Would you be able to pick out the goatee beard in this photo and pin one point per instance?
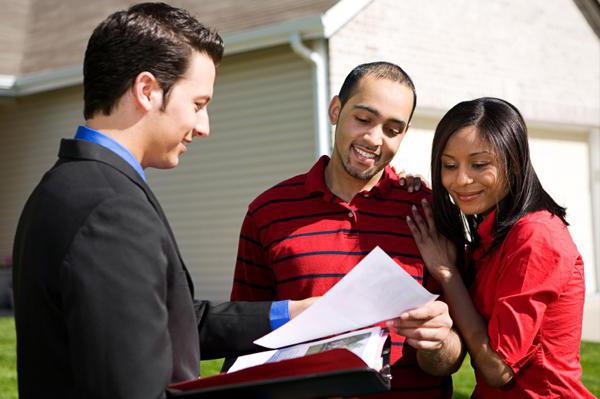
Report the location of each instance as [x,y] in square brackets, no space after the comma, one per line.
[366,175]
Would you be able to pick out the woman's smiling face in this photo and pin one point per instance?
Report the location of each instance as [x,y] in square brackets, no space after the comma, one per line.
[472,173]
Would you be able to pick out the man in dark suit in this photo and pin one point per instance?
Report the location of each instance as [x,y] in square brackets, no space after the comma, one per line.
[103,301]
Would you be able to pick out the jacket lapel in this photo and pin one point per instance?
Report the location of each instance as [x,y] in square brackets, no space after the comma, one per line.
[79,150]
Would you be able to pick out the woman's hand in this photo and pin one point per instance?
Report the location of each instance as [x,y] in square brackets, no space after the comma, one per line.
[438,253]
[411,182]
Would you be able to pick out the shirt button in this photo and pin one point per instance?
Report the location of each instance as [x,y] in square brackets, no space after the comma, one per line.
[366,195]
[350,214]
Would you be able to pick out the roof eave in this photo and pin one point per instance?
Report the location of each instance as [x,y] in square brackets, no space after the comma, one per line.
[311,27]
[42,81]
[273,35]
[7,83]
[591,11]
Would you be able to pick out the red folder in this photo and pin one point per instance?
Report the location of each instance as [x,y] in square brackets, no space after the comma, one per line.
[337,372]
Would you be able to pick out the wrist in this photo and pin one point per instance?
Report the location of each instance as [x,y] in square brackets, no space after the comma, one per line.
[433,352]
[444,360]
[299,306]
[293,308]
[446,274]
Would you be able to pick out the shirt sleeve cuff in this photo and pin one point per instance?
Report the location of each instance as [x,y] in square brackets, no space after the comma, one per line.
[516,364]
[279,314]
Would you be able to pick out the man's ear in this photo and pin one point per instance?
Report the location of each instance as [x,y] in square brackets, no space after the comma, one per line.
[146,92]
[335,107]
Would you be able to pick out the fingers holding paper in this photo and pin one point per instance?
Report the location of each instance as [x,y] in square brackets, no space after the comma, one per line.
[426,327]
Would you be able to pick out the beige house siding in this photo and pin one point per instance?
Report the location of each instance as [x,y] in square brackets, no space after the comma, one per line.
[31,130]
[262,131]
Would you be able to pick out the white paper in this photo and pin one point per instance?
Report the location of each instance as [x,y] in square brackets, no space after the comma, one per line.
[366,344]
[254,359]
[376,289]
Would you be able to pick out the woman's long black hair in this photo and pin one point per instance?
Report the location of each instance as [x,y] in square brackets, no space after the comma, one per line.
[500,124]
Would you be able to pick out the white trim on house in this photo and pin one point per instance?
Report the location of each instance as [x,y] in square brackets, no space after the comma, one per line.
[40,81]
[340,14]
[273,35]
[312,27]
[436,113]
[594,140]
[318,58]
[6,82]
[49,80]
[322,99]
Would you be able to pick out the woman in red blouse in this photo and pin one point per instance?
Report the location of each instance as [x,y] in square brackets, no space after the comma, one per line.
[519,302]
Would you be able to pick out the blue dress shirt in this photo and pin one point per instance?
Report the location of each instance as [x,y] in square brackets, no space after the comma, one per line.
[87,134]
[279,314]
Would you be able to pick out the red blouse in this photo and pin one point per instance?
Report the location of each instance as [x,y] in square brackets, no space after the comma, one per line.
[530,290]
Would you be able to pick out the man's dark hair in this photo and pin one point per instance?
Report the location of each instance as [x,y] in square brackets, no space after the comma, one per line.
[151,37]
[377,70]
[501,125]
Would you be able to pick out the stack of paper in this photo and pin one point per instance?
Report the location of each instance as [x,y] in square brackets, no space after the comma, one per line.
[376,289]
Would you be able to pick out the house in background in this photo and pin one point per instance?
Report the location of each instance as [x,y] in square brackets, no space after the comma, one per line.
[284,60]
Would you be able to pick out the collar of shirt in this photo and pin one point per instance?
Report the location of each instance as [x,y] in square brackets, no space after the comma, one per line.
[486,235]
[315,180]
[87,134]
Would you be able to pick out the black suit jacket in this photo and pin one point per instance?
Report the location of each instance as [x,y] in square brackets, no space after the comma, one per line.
[103,301]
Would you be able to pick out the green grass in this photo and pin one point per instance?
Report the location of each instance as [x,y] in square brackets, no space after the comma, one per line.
[590,362]
[210,367]
[8,359]
[463,379]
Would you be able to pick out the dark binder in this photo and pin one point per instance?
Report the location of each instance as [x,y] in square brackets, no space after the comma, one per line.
[337,372]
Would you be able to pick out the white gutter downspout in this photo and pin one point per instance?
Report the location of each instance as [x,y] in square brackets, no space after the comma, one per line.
[319,60]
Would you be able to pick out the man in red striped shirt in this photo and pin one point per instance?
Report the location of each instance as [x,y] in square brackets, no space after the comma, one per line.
[303,235]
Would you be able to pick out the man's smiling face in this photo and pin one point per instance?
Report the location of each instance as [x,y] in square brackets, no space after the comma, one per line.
[370,126]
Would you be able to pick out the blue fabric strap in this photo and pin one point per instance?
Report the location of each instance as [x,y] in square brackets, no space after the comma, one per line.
[280,314]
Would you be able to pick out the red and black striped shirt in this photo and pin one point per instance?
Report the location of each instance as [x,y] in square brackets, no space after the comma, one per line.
[298,239]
